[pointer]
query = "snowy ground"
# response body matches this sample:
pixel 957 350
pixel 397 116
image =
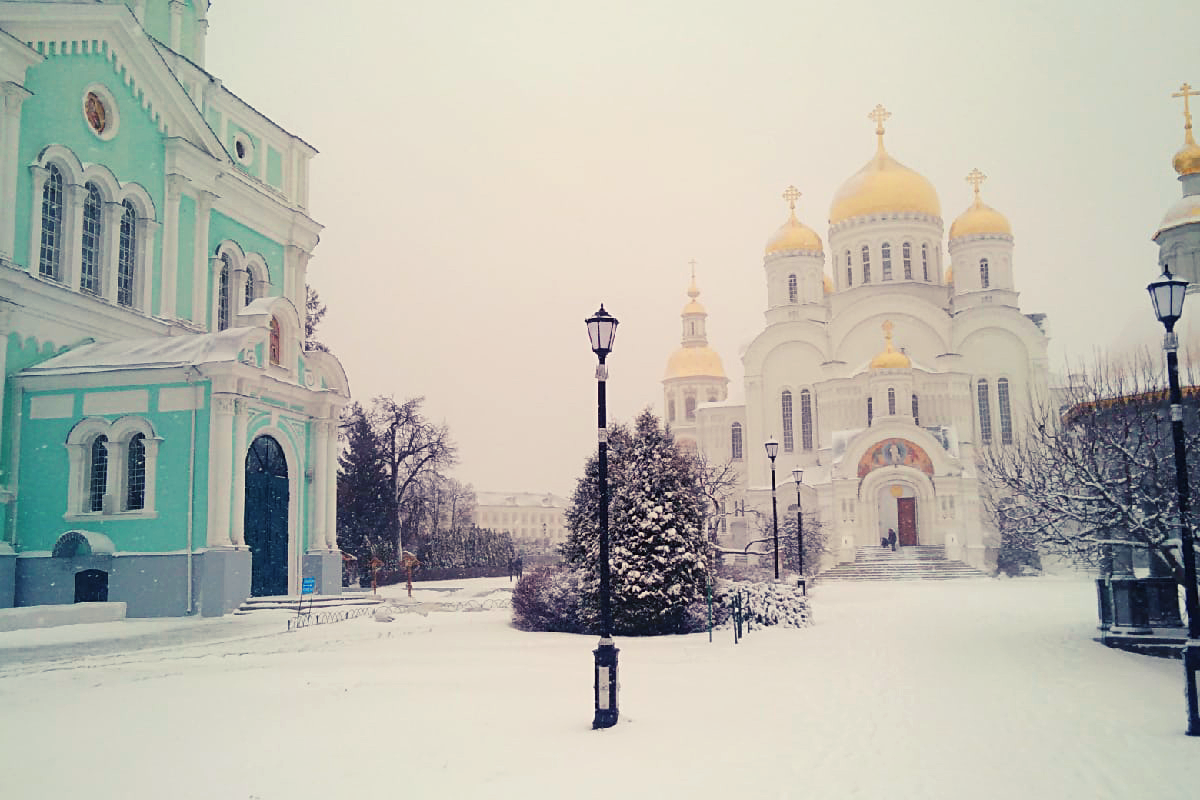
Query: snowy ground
pixel 961 689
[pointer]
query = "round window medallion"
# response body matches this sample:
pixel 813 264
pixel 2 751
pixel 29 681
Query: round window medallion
pixel 243 149
pixel 96 113
pixel 100 111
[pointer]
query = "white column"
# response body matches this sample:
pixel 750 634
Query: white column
pixel 177 7
pixel 200 275
pixel 220 442
pixel 239 472
pixel 143 280
pixel 318 536
pixel 170 247
pixel 39 175
pixel 198 47
pixel 72 235
pixel 10 128
pixel 110 249
pixel 331 466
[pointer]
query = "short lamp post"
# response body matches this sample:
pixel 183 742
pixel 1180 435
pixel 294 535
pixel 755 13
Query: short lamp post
pixel 1167 294
pixel 602 329
pixel 798 476
pixel 772 451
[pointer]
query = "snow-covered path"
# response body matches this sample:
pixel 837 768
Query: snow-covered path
pixel 963 689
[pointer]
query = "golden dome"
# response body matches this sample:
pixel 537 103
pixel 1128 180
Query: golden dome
pixel 980 217
pixel 890 358
pixel 693 362
pixel 1187 160
pixel 828 284
pixel 883 184
pixel 793 234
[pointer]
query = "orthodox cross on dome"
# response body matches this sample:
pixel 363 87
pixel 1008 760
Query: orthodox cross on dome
pixel 879 115
pixel 1186 91
pixel 693 292
pixel 976 179
pixel 887 332
pixel 791 194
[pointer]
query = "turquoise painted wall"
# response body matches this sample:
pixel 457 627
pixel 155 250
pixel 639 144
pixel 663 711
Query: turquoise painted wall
pixel 42 495
pixel 274 168
pixel 54 115
pixel 221 227
pixel 157 23
pixel 186 266
pixel 19 354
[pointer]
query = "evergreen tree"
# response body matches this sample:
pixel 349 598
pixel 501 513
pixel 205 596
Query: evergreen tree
pixel 366 514
pixel 660 557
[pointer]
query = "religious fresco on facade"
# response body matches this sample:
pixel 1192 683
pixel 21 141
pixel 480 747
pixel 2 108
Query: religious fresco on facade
pixel 894 453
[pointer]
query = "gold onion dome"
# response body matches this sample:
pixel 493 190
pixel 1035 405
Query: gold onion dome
pixel 890 358
pixel 695 362
pixel 980 217
pixel 793 234
pixel 883 184
pixel 1187 160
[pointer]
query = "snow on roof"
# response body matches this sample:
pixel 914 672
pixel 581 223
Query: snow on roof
pixel 520 499
pixel 156 353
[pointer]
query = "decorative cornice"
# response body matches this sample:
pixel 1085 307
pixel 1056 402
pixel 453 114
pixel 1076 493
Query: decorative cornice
pixel 886 216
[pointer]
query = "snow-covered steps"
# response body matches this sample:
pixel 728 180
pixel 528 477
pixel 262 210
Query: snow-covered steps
pixel 920 562
pixel 316 602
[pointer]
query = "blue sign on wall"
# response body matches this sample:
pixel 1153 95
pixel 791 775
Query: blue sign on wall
pixel 309 586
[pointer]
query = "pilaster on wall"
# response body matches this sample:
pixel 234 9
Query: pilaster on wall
pixel 10 127
pixel 317 534
pixel 72 257
pixel 200 275
pixel 170 251
pixel 295 269
pixel 177 7
pixel 220 460
pixel 241 417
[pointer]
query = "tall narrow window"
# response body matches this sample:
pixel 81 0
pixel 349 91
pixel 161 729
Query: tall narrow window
pixel 925 261
pixel 98 484
pixel 277 355
pixel 985 413
pixel 849 271
pixel 689 407
pixel 89 264
pixel 135 495
pixel 983 273
pixel 50 258
pixel 907 253
pixel 735 440
pixel 789 442
pixel 891 402
pixel 866 256
pixel 127 254
pixel 870 411
pixel 249 287
pixel 887 261
pixel 1006 436
pixel 671 409
pixel 806 420
pixel 791 288
pixel 223 293
pixel 916 410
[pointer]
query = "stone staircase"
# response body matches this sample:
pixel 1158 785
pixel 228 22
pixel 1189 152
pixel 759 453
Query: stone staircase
pixel 919 562
pixel 318 602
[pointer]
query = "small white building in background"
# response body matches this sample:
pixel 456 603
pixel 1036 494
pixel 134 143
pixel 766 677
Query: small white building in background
pixel 882 366
pixel 536 522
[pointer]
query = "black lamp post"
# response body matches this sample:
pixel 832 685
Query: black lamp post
pixel 797 476
pixel 772 451
pixel 1167 294
pixel 602 329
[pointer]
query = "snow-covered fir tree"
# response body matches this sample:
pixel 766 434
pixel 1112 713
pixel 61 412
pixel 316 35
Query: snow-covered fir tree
pixel 659 555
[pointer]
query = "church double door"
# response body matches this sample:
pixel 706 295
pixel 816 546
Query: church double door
pixel 266 517
pixel 906 519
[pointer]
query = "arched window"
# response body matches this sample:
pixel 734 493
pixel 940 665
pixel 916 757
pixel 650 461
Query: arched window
pixel 866 257
pixel 887 261
pixel 891 402
pixel 50 258
pixel 735 440
pixel 916 410
pixel 276 350
pixel 789 442
pixel 1006 433
pixel 806 421
pixel 223 298
pixel 907 253
pixel 791 288
pixel 849 271
pixel 985 413
pixel 127 254
pixel 135 483
pixel 89 264
pixel 98 475
pixel 925 261
pixel 983 273
pixel 689 407
pixel 870 411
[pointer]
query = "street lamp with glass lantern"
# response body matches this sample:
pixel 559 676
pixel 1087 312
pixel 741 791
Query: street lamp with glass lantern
pixel 602 329
pixel 1167 294
pixel 772 451
pixel 798 476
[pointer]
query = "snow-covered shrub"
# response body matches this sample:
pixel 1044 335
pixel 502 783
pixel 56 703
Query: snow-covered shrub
pixel 764 604
pixel 548 599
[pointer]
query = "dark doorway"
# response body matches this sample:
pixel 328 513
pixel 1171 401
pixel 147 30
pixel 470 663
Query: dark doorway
pixel 266 520
pixel 91 586
pixel 906 518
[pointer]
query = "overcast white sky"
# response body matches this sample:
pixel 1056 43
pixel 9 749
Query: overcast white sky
pixel 491 172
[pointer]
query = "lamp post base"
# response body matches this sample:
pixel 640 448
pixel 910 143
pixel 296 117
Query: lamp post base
pixel 606 685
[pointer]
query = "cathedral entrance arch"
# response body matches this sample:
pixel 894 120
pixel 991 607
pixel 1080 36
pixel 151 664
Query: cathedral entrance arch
pixel 266 517
pixel 896 504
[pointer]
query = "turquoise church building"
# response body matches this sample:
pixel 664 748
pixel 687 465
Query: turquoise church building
pixel 166 440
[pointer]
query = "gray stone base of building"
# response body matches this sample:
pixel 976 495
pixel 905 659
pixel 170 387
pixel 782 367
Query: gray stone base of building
pixel 151 585
pixel 326 567
pixel 8 575
pixel 222 580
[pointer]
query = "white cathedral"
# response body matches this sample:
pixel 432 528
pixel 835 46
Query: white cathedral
pixel 881 368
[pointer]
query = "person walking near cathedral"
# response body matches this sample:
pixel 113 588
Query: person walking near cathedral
pixel 892 538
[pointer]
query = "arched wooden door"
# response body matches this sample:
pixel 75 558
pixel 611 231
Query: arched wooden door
pixel 266 519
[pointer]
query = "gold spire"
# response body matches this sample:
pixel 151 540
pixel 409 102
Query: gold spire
pixel 1187 160
pixel 890 358
pixel 979 217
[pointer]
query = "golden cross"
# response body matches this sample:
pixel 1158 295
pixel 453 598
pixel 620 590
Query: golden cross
pixel 976 179
pixel 1185 91
pixel 887 330
pixel 879 115
pixel 693 265
pixel 791 194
